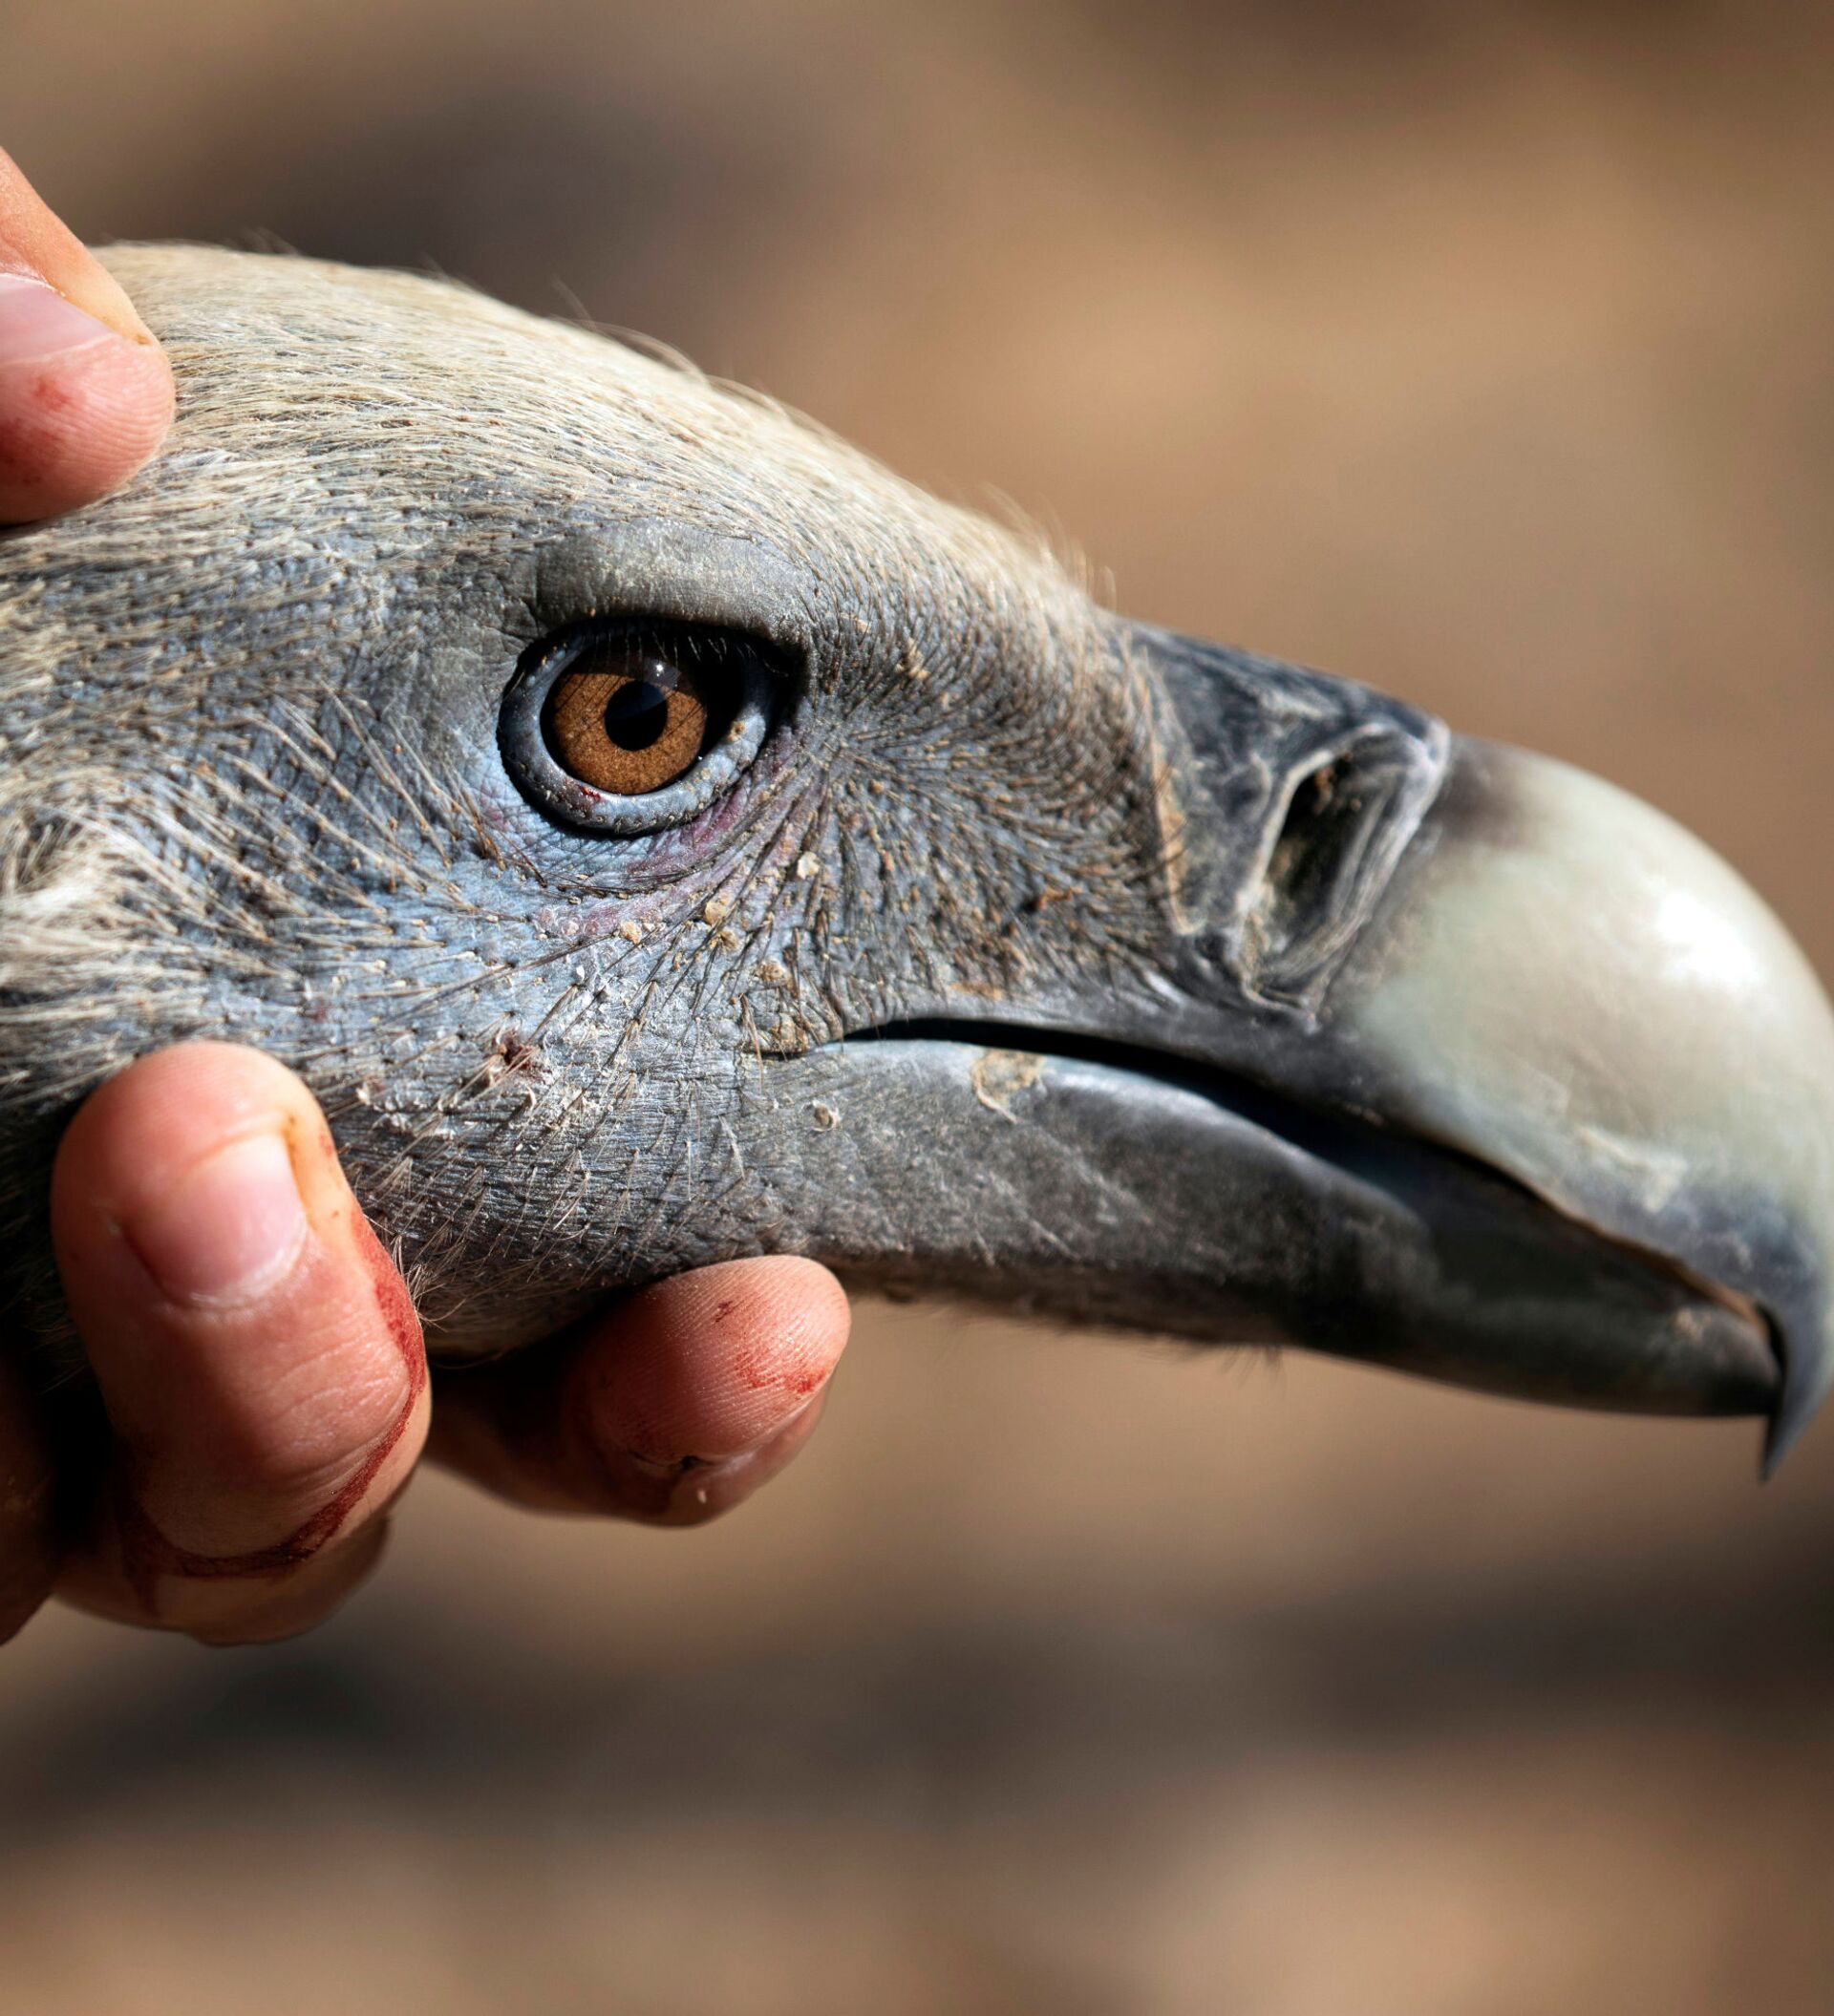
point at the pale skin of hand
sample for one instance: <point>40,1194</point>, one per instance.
<point>261,1388</point>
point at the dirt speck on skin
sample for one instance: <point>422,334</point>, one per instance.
<point>998,1074</point>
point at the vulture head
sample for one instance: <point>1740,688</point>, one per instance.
<point>660,834</point>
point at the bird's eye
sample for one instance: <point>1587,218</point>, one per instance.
<point>625,728</point>
<point>624,719</point>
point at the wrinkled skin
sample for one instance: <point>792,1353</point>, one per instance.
<point>1208,996</point>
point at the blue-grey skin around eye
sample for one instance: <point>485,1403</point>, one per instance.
<point>1014,952</point>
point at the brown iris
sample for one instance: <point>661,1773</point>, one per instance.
<point>624,719</point>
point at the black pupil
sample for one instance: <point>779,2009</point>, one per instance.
<point>636,714</point>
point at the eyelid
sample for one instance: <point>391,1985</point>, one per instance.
<point>572,802</point>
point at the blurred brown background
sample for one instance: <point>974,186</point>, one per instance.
<point>1479,350</point>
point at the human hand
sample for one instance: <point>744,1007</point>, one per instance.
<point>263,1391</point>
<point>85,393</point>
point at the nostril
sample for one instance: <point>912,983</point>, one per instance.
<point>1314,839</point>
<point>1339,831</point>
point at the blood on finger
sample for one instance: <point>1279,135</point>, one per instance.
<point>148,1555</point>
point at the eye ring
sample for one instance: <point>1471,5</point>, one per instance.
<point>560,719</point>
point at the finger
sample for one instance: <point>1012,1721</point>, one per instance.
<point>673,1408</point>
<point>85,392</point>
<point>27,1522</point>
<point>256,1350</point>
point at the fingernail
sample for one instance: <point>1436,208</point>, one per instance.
<point>701,1486</point>
<point>705,1461</point>
<point>37,323</point>
<point>229,1228</point>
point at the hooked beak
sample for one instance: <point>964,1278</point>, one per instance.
<point>1568,985</point>
<point>1462,1061</point>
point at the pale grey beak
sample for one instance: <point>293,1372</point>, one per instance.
<point>1566,985</point>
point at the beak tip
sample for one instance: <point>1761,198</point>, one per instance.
<point>1786,1431</point>
<point>1805,1383</point>
<point>1778,1441</point>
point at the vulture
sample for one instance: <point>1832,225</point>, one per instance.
<point>660,834</point>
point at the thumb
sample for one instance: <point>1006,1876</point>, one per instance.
<point>85,392</point>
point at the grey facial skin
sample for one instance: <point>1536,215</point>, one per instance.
<point>1013,953</point>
